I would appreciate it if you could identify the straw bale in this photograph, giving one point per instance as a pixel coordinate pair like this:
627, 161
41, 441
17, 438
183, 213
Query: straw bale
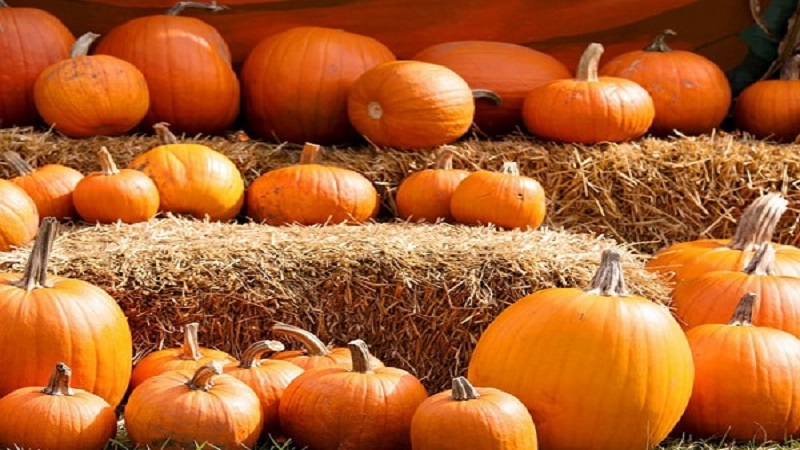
419, 295
649, 193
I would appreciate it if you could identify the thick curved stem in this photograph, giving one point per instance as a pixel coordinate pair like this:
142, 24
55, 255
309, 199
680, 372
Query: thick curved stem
313, 345
164, 134
59, 383
444, 160
191, 350
463, 390
359, 352
743, 315
659, 43
19, 165
311, 153
253, 355
587, 66
107, 164
758, 222
510, 168
35, 275
609, 279
178, 8
763, 262
82, 44
203, 379
791, 70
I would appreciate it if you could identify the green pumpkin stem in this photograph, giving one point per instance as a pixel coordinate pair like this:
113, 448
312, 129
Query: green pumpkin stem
359, 352
743, 315
164, 134
178, 8
763, 262
659, 43
587, 66
312, 344
791, 69
190, 349
758, 222
444, 160
107, 164
510, 168
486, 94
21, 166
82, 44
609, 279
252, 355
311, 154
35, 275
203, 379
59, 383
463, 390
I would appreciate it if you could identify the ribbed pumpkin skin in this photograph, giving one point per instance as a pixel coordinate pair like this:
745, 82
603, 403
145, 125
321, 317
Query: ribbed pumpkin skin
769, 109
508, 70
19, 218
191, 83
411, 105
168, 359
32, 40
338, 356
295, 83
599, 372
425, 194
745, 383
129, 196
50, 186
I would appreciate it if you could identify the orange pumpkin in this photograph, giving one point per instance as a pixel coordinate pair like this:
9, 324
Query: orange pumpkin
295, 83
425, 194
769, 108
585, 364
32, 40
508, 70
19, 218
314, 353
311, 193
85, 96
50, 186
589, 109
690, 92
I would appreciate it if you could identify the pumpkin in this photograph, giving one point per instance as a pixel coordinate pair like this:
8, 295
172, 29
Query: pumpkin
56, 416
412, 105
85, 96
363, 408
509, 70
267, 377
475, 418
588, 109
712, 297
745, 385
314, 353
182, 409
50, 186
32, 40
425, 194
19, 217
114, 194
189, 356
192, 179
769, 109
506, 198
62, 319
187, 67
295, 83
685, 260
311, 193
598, 369
690, 92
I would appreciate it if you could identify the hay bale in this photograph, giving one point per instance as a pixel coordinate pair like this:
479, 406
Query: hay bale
420, 295
649, 193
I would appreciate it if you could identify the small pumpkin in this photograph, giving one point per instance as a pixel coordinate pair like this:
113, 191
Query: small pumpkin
589, 109
475, 418
311, 193
98, 95
690, 92
56, 416
380, 418
50, 186
183, 409
425, 194
509, 70
314, 352
192, 179
506, 198
745, 385
189, 356
769, 109
114, 194
19, 218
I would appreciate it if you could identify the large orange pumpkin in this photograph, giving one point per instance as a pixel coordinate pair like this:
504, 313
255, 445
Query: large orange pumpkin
19, 218
598, 369
295, 83
769, 108
49, 185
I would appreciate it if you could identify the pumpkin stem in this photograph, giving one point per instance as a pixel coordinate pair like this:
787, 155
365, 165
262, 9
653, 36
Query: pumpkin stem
609, 279
763, 262
21, 166
758, 222
313, 345
587, 66
310, 154
791, 69
659, 43
59, 381
203, 379
252, 355
743, 315
510, 167
35, 275
359, 352
164, 134
444, 160
178, 8
82, 44
486, 94
3, 4
107, 164
464, 390
190, 348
